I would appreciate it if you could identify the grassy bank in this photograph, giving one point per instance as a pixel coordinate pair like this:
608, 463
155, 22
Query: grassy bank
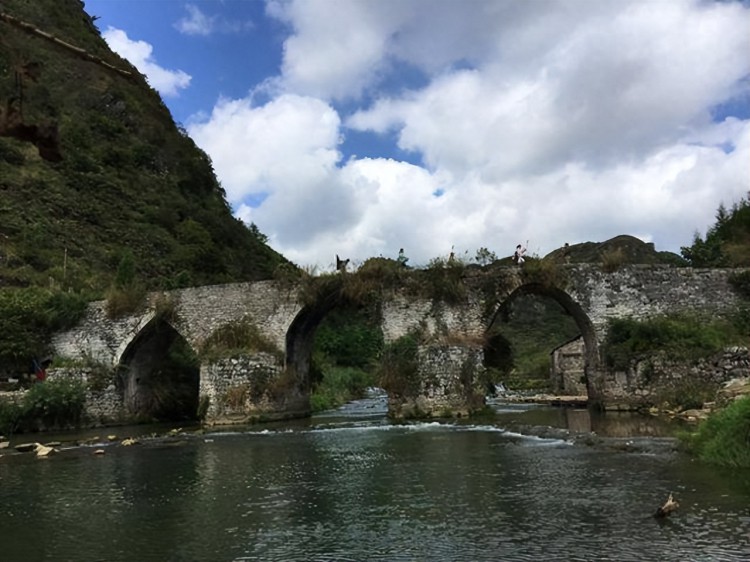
724, 438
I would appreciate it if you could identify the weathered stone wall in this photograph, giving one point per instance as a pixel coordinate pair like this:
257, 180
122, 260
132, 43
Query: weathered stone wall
402, 314
250, 388
104, 404
198, 312
269, 305
567, 369
658, 379
646, 291
451, 384
592, 295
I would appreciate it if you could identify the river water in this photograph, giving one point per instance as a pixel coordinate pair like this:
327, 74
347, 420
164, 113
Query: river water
534, 483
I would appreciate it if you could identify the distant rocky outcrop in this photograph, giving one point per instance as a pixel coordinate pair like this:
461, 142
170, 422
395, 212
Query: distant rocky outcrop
624, 248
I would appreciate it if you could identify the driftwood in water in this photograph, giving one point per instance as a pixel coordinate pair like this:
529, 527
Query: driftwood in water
669, 506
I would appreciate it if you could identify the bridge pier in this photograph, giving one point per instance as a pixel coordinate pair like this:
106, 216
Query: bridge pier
448, 382
250, 388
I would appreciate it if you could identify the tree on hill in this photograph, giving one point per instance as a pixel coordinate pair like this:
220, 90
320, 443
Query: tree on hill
727, 242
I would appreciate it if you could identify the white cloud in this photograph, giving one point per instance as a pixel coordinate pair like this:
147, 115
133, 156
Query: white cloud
548, 121
199, 23
140, 55
196, 22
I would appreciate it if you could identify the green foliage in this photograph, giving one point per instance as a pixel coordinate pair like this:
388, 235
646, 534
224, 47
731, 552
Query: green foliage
236, 338
741, 283
520, 348
727, 242
724, 438
349, 337
485, 256
54, 404
443, 280
398, 370
612, 260
173, 385
340, 385
546, 272
676, 336
28, 318
125, 277
11, 416
688, 394
124, 301
129, 178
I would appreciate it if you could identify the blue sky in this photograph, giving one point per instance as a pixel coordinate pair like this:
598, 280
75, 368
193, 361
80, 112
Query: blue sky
357, 127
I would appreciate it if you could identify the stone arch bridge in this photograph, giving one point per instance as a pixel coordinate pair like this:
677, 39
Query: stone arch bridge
119, 357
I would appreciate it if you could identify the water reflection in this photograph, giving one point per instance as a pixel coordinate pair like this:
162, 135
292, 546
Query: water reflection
582, 420
348, 485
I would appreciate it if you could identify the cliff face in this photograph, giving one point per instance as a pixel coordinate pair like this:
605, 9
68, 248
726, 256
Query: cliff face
92, 166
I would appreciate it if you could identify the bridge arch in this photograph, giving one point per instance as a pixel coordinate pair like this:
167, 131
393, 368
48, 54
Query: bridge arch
157, 373
496, 342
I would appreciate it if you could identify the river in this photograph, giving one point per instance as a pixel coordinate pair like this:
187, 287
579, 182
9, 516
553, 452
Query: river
534, 483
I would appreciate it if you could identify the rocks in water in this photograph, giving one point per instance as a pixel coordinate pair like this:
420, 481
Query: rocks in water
129, 441
43, 450
26, 447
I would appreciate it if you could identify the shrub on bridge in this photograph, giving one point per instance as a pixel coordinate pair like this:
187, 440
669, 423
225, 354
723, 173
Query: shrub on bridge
236, 338
546, 273
443, 280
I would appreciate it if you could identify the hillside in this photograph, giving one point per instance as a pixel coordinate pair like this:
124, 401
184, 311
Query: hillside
92, 166
629, 249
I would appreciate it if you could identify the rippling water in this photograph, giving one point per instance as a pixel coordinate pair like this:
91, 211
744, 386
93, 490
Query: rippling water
351, 486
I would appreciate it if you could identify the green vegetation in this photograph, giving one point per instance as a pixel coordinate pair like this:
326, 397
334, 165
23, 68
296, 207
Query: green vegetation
129, 180
398, 372
544, 272
674, 336
724, 438
236, 338
615, 252
727, 242
523, 337
50, 405
28, 318
347, 345
172, 386
339, 386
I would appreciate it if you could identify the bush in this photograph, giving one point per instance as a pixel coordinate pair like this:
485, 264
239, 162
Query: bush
238, 337
28, 318
546, 273
677, 336
340, 385
54, 404
724, 438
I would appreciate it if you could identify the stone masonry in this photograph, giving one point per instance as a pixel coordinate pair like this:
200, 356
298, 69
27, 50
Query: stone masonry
590, 295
